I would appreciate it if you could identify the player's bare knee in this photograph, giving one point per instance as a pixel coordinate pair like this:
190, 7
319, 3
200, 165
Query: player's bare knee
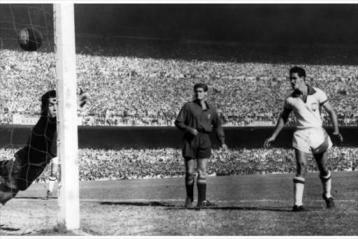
325, 175
301, 169
190, 177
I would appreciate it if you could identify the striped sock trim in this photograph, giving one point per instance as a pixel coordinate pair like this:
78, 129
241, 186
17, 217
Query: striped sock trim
201, 180
326, 177
299, 180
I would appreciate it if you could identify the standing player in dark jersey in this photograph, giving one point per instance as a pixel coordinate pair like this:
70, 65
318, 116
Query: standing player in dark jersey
30, 161
198, 119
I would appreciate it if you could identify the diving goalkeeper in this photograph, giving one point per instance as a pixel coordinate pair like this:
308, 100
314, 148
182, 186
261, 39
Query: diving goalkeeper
30, 161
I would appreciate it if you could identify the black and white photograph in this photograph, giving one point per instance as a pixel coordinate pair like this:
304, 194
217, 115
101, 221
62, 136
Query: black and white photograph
178, 119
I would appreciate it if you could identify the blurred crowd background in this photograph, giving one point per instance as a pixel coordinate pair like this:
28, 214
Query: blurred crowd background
134, 91
162, 163
141, 69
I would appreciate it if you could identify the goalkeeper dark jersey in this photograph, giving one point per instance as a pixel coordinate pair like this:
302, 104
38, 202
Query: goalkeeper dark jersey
31, 160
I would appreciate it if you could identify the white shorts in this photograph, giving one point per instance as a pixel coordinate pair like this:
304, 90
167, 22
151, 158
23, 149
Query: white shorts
311, 140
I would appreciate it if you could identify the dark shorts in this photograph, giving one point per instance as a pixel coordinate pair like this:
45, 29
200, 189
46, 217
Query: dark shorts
197, 147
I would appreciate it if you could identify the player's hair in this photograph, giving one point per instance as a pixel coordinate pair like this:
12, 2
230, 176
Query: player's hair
299, 70
201, 85
44, 101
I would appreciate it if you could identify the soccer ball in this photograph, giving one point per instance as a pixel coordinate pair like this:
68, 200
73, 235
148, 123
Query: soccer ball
29, 39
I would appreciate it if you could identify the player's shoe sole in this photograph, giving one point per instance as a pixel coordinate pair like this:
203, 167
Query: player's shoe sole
329, 202
188, 203
298, 208
205, 205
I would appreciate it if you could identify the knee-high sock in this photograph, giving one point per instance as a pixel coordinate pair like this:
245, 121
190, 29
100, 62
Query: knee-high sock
326, 184
298, 188
189, 185
51, 184
201, 188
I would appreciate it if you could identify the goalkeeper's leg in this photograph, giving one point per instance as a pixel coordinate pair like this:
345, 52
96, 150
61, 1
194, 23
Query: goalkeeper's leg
50, 186
53, 177
189, 181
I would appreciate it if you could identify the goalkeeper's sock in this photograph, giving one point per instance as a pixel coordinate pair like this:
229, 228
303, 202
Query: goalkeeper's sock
201, 189
189, 185
298, 188
51, 184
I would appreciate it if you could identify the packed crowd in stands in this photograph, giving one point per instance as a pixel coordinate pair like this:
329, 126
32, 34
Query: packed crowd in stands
163, 163
134, 91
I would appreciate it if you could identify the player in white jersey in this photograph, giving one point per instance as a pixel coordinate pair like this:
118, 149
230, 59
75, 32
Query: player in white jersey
310, 137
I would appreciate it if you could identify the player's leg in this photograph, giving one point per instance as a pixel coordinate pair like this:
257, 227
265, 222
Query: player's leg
201, 182
189, 181
53, 177
203, 155
189, 154
325, 176
50, 186
299, 179
301, 144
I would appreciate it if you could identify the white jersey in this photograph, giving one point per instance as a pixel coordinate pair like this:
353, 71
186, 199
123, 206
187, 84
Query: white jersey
308, 114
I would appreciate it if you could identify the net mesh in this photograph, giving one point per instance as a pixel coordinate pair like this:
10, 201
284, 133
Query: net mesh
136, 81
25, 77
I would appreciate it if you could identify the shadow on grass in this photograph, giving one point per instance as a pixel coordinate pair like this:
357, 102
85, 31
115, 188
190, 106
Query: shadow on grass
36, 198
9, 229
150, 203
237, 208
169, 206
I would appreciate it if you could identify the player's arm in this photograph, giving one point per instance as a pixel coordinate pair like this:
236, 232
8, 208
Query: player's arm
180, 121
217, 123
332, 114
282, 120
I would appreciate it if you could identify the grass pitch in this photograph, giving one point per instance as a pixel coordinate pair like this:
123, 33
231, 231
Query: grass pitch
247, 205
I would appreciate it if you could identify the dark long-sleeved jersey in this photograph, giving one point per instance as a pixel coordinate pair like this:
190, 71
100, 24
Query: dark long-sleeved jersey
192, 116
31, 160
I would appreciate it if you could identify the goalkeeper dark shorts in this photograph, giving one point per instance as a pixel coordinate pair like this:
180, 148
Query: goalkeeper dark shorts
197, 147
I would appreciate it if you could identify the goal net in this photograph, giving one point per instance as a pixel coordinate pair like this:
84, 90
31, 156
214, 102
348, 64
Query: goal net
39, 90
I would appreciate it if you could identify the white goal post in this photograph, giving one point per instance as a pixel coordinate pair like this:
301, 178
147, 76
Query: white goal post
64, 34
